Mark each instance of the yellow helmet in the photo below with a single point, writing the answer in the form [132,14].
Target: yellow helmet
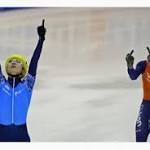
[21,59]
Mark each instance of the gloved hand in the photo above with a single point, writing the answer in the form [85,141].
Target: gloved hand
[130,59]
[41,30]
[148,57]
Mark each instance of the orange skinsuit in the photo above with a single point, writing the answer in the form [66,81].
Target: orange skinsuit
[146,82]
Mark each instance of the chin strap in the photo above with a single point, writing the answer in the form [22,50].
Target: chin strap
[15,76]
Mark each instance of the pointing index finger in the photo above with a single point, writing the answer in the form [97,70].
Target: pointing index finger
[131,52]
[43,21]
[148,49]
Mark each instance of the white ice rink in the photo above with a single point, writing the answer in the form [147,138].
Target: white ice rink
[82,92]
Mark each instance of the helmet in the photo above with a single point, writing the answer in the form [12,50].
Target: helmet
[21,59]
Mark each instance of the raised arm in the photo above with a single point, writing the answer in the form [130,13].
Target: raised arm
[140,67]
[37,52]
[0,70]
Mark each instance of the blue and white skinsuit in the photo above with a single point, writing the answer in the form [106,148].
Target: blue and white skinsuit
[15,97]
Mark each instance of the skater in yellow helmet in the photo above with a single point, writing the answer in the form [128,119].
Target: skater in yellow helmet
[16,92]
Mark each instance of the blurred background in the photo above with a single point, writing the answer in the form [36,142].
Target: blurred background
[82,92]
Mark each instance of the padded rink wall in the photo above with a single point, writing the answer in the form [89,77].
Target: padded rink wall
[76,35]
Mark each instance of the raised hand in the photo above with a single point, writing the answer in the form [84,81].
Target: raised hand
[42,30]
[130,59]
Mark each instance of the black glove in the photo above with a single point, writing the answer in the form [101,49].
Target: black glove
[130,59]
[41,30]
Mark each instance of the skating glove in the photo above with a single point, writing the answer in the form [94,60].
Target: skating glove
[41,31]
[130,59]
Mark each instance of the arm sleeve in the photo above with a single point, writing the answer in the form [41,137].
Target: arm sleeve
[140,68]
[35,58]
[30,80]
